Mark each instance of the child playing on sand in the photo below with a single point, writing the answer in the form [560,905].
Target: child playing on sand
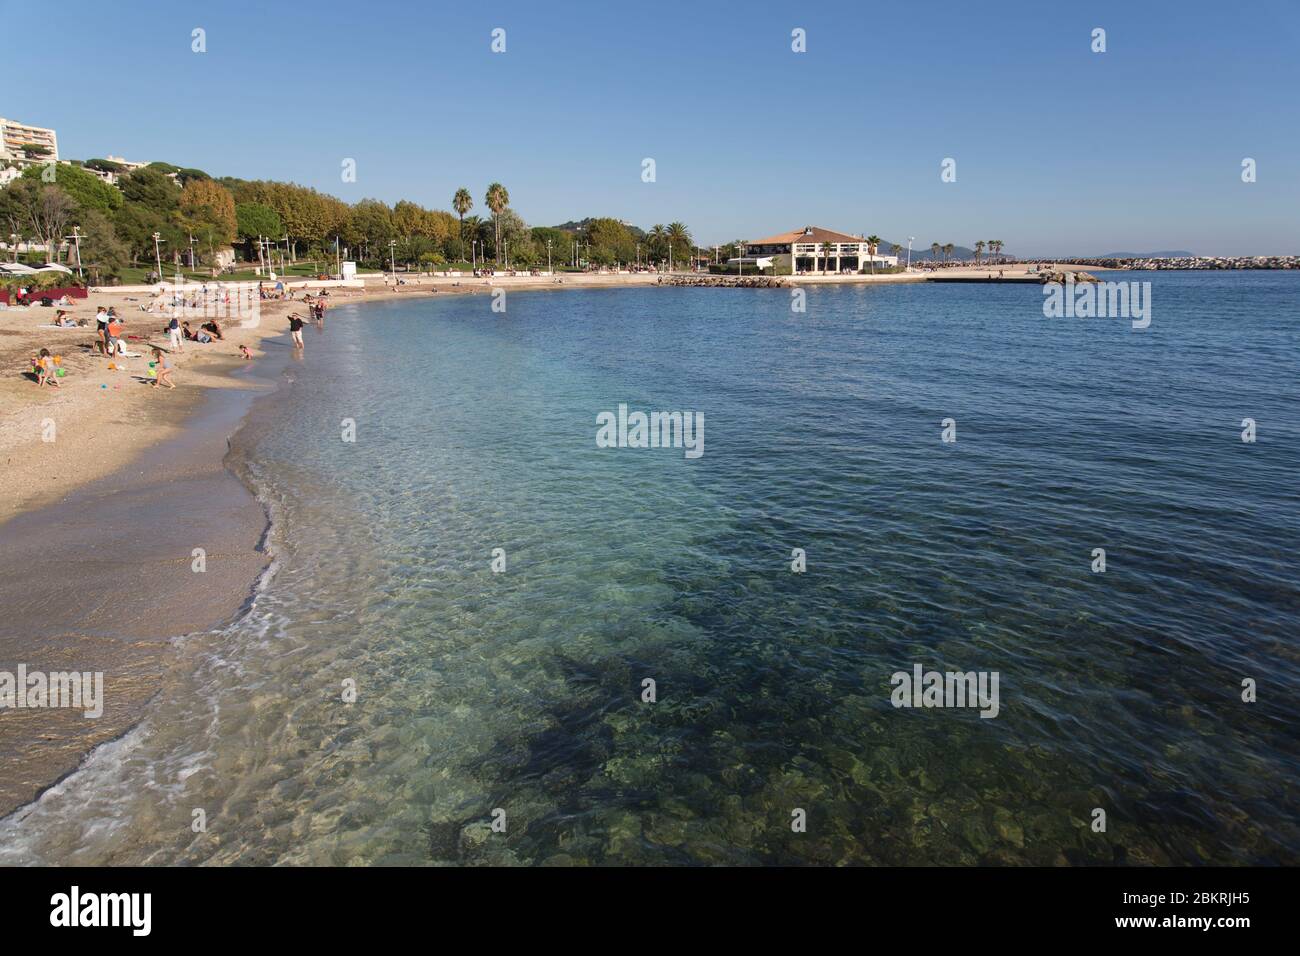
[46,371]
[112,332]
[243,350]
[163,368]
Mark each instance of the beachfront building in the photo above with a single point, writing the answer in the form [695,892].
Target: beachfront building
[814,249]
[22,145]
[111,176]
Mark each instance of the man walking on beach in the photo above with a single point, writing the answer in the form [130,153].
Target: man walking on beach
[174,334]
[295,326]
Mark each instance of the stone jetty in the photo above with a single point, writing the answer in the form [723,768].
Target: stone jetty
[727,282]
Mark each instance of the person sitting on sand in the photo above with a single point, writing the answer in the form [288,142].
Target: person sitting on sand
[162,369]
[215,328]
[46,371]
[64,321]
[201,336]
[243,350]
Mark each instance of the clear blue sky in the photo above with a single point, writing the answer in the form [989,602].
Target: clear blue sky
[1058,149]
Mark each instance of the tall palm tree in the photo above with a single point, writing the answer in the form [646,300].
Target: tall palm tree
[497,200]
[997,247]
[462,202]
[826,257]
[979,251]
[873,243]
[678,235]
[658,238]
[935,249]
[947,251]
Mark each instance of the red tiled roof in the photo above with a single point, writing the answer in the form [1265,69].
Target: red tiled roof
[806,234]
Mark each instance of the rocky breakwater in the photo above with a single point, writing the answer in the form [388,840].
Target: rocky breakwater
[1063,277]
[728,282]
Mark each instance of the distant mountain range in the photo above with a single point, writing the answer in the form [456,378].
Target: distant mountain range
[922,252]
[1166,254]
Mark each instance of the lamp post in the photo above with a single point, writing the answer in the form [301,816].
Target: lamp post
[740,246]
[910,240]
[76,238]
[157,252]
[392,258]
[548,255]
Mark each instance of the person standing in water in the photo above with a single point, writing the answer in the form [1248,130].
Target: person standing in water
[295,327]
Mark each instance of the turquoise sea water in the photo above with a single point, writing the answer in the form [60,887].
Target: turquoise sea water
[522,690]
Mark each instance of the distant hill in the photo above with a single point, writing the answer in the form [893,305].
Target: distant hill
[1166,254]
[580,225]
[922,252]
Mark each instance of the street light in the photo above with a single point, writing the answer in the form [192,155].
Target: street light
[76,238]
[548,256]
[910,240]
[392,257]
[157,253]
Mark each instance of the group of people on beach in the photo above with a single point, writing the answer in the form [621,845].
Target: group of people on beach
[317,306]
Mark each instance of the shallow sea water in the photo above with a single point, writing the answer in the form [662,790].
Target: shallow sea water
[522,690]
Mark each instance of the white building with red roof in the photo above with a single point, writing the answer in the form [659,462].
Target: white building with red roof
[814,249]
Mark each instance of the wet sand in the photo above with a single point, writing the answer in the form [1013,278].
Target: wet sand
[103,580]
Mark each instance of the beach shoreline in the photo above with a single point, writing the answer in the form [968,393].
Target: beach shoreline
[135,480]
[106,579]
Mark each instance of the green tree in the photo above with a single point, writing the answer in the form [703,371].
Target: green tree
[151,188]
[103,254]
[84,188]
[610,241]
[208,208]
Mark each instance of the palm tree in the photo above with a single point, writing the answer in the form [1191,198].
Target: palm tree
[947,251]
[996,245]
[873,243]
[658,238]
[979,251]
[678,235]
[462,202]
[826,256]
[935,249]
[497,200]
[895,250]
